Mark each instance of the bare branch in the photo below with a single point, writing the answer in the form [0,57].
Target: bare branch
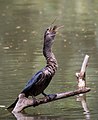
[25,102]
[81,77]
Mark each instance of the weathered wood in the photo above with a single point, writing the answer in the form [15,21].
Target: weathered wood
[61,96]
[81,77]
[22,104]
[84,65]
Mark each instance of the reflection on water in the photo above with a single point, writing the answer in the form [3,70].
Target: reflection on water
[22,116]
[22,23]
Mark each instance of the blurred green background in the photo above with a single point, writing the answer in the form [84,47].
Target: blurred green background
[22,25]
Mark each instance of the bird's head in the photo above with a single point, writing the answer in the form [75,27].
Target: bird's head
[50,33]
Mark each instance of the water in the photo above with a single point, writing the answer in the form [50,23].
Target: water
[22,24]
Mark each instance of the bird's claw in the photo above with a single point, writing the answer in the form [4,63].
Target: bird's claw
[51,96]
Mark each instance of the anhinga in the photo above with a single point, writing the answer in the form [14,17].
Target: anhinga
[42,78]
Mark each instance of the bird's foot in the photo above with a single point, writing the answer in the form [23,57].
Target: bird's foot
[22,103]
[51,96]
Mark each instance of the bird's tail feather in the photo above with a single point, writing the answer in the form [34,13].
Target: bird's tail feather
[11,107]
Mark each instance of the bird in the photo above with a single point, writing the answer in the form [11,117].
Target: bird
[39,82]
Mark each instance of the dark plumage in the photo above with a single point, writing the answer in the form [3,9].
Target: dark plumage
[42,78]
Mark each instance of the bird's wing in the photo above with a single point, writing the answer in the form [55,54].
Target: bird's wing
[36,78]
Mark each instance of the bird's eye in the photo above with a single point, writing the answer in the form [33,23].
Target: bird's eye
[47,32]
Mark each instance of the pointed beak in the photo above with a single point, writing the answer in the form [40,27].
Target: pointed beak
[59,27]
[55,28]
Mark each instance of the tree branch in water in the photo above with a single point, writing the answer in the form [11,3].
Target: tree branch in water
[25,102]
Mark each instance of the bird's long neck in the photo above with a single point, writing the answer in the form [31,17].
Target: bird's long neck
[50,57]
